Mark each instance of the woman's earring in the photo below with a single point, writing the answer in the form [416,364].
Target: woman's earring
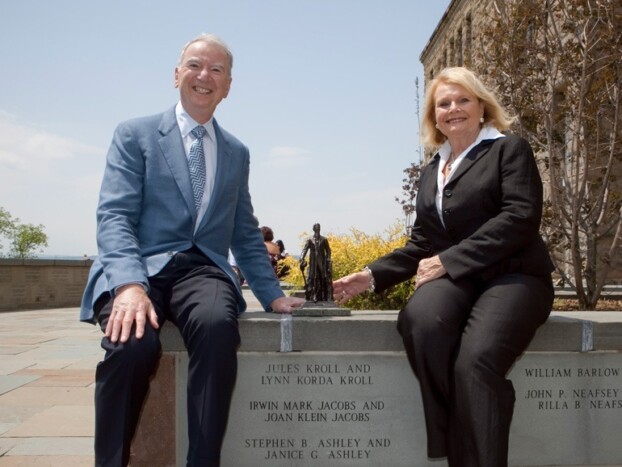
[481,119]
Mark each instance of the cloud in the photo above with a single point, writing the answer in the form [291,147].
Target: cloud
[27,148]
[288,156]
[51,180]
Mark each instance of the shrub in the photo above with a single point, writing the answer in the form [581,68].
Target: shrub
[351,253]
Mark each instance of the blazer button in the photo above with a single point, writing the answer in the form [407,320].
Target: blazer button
[448,193]
[446,211]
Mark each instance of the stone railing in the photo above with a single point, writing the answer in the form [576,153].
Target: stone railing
[38,283]
[346,396]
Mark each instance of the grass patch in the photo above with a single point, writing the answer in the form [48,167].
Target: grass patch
[566,304]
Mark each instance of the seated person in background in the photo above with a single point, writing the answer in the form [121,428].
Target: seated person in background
[234,265]
[282,251]
[273,249]
[283,269]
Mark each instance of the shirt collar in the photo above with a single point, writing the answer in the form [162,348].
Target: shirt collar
[187,123]
[486,133]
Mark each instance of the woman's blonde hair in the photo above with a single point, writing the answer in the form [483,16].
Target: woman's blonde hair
[494,114]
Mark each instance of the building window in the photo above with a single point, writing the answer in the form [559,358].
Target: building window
[468,41]
[459,48]
[452,52]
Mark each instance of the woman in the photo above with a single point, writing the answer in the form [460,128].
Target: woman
[483,273]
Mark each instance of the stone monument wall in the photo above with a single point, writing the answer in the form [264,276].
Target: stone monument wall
[36,284]
[346,396]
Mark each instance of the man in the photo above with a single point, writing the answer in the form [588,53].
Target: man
[318,287]
[163,236]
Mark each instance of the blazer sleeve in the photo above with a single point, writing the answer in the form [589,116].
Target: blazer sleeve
[401,264]
[249,249]
[119,210]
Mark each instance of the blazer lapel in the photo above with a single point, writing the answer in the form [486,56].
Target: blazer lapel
[174,153]
[426,196]
[471,158]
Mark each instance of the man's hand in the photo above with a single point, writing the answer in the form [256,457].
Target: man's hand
[286,304]
[131,305]
[429,269]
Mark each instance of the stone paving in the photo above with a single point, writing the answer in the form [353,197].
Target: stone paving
[47,371]
[47,383]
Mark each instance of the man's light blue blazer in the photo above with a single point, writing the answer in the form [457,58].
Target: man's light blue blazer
[146,212]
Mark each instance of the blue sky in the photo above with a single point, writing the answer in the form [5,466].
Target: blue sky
[323,94]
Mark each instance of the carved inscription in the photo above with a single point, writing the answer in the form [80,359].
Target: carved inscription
[566,388]
[346,411]
[324,411]
[571,403]
[317,374]
[324,448]
[547,427]
[317,410]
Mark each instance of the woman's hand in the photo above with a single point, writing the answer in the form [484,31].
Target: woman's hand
[429,269]
[350,286]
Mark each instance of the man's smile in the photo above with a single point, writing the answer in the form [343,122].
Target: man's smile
[201,90]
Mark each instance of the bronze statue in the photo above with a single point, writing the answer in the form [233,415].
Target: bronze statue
[319,277]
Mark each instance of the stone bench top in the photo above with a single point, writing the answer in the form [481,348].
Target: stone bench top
[375,331]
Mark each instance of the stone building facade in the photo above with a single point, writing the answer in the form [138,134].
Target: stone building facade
[452,42]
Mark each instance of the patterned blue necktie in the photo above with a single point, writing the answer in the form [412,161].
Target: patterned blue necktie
[196,162]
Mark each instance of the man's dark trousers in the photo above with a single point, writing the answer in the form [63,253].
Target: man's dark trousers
[201,300]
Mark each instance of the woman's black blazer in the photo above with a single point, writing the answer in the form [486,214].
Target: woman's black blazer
[492,208]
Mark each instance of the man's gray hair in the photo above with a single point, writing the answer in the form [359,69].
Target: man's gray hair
[208,39]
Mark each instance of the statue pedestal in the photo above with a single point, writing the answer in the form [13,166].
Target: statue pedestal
[321,309]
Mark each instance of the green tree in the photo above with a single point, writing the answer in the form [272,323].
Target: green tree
[6,221]
[7,224]
[24,238]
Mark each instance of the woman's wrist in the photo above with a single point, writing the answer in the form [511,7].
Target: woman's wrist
[372,281]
